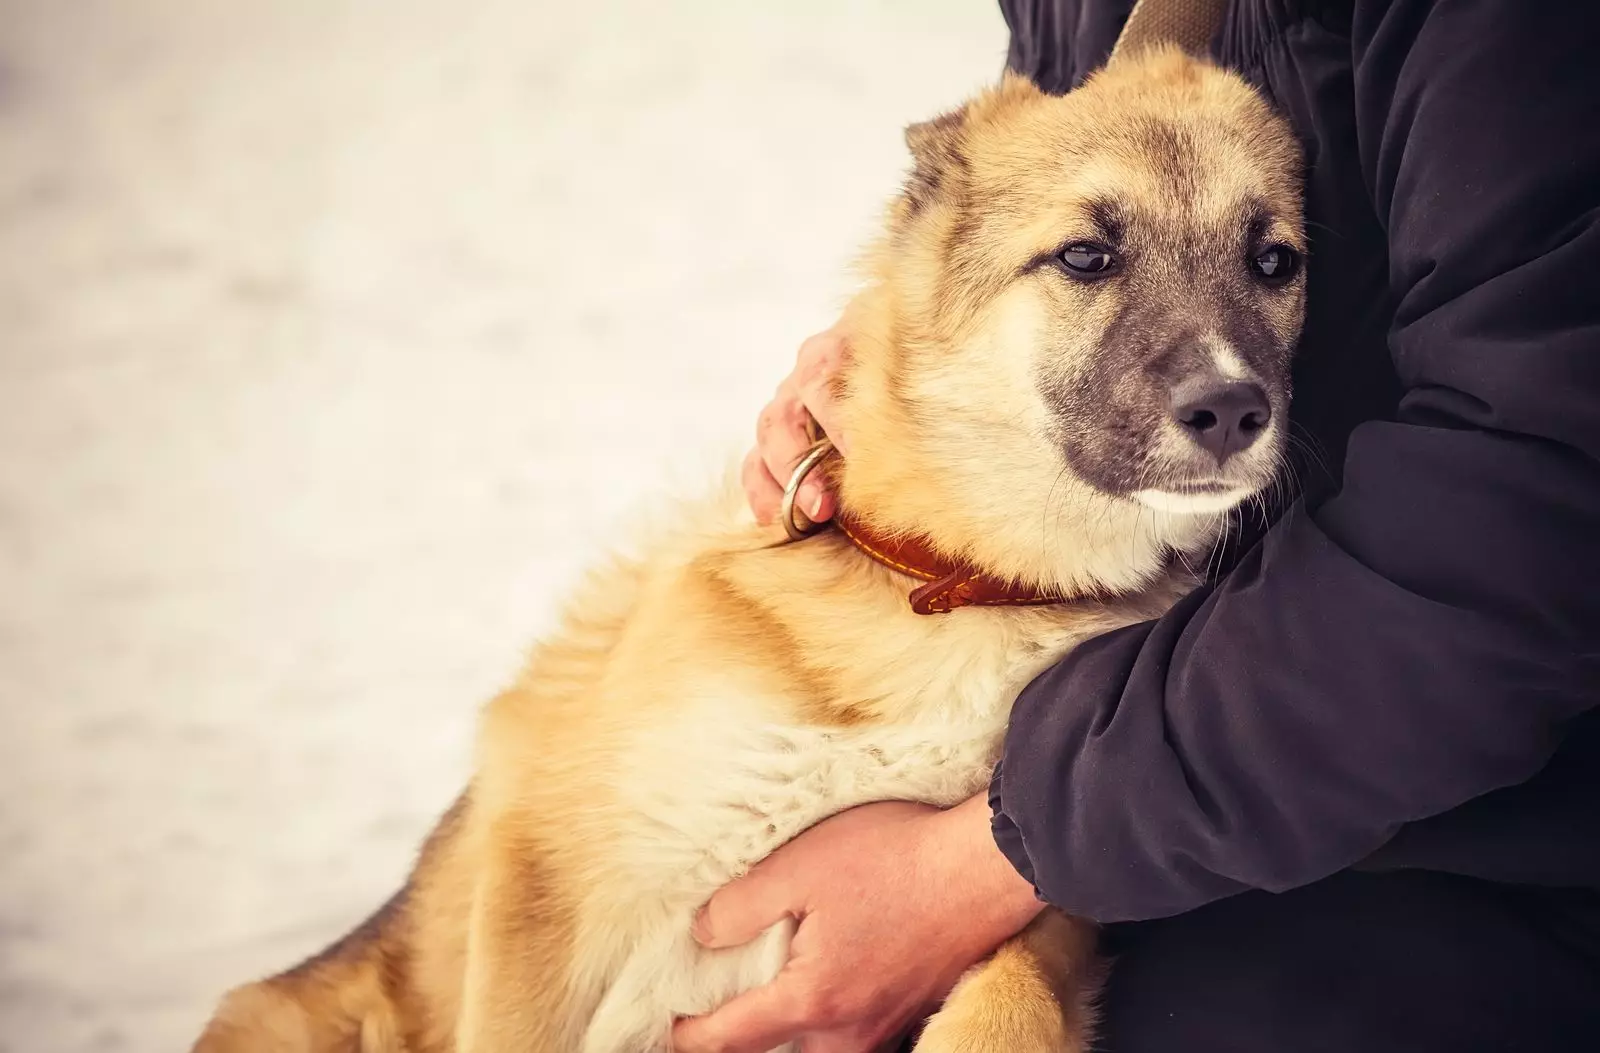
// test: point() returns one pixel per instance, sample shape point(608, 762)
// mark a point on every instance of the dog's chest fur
point(801, 685)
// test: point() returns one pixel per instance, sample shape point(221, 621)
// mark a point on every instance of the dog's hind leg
point(306, 1014)
point(338, 1001)
point(1034, 995)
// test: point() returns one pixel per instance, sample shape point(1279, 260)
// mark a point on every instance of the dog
point(1070, 362)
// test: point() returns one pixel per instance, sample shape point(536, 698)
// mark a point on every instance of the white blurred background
point(334, 336)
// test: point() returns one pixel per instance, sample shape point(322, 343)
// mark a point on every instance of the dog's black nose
point(1224, 417)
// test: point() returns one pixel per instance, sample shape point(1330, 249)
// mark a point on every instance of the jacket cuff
point(1006, 835)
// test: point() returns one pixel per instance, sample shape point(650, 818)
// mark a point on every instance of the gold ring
point(792, 517)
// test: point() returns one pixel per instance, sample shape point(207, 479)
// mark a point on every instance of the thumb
point(742, 910)
point(822, 359)
point(819, 396)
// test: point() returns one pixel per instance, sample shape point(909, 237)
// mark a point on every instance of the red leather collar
point(946, 585)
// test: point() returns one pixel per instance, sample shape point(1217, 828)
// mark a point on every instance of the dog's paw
point(991, 1033)
point(984, 1014)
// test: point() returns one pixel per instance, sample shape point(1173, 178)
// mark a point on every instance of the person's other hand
point(781, 437)
point(895, 901)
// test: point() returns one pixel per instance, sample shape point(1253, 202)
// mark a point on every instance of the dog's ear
point(935, 143)
point(936, 153)
point(938, 147)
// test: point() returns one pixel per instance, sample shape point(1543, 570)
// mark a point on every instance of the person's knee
point(1400, 963)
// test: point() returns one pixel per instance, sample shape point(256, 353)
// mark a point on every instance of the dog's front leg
point(1034, 995)
point(514, 994)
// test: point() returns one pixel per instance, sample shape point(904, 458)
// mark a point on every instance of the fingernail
point(701, 930)
point(811, 501)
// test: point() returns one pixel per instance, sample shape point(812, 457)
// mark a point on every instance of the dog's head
point(1073, 353)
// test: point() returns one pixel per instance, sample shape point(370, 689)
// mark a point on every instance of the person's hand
point(781, 437)
point(895, 901)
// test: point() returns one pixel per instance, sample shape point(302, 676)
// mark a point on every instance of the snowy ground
point(333, 335)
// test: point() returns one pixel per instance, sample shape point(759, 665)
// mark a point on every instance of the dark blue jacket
point(1403, 669)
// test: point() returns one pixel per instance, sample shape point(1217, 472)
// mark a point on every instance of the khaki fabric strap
point(1190, 24)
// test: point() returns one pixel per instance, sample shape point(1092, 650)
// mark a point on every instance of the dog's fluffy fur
point(710, 698)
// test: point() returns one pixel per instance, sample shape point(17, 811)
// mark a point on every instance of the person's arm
point(1423, 637)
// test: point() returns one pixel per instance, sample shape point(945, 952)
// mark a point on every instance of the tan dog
point(1071, 361)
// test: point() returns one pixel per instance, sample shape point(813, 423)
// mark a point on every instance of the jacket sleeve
point(1428, 634)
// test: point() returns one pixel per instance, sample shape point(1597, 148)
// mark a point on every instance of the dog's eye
point(1276, 265)
point(1087, 259)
